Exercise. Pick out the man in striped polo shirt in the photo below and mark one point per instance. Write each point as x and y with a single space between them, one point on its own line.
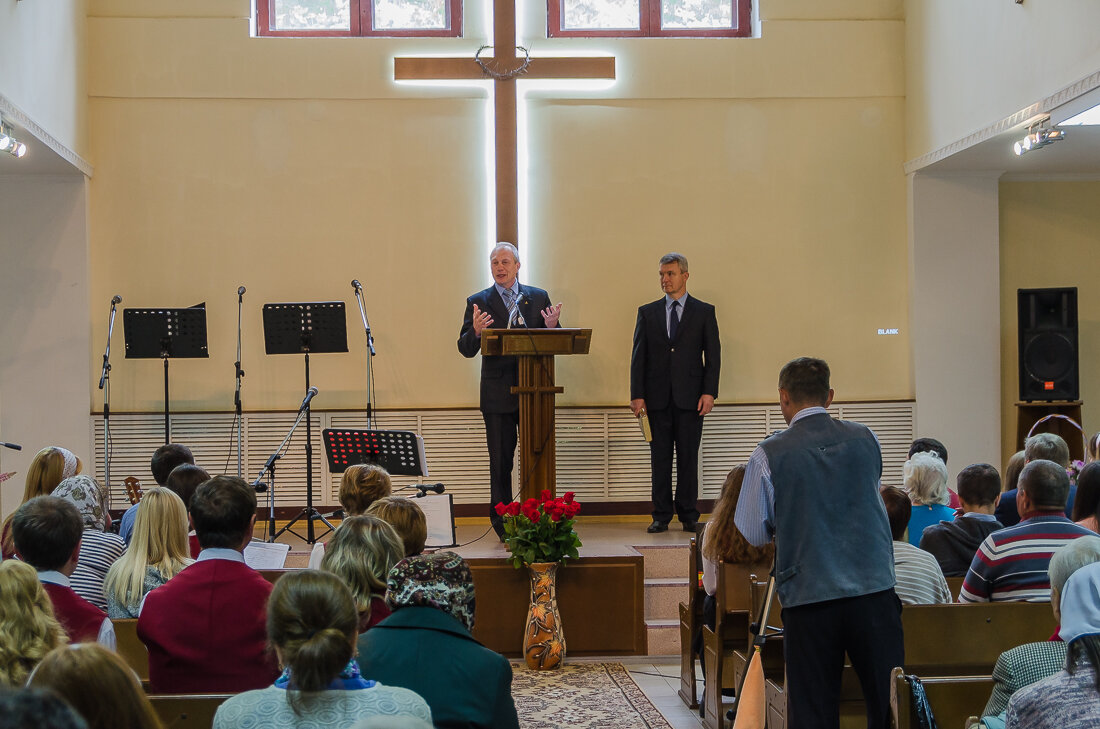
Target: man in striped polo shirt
1012 563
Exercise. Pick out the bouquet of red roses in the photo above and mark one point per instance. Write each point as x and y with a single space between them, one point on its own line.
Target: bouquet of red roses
541 530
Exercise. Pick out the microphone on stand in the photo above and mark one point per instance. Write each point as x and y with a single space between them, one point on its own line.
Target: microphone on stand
116 299
310 394
356 285
13 446
240 291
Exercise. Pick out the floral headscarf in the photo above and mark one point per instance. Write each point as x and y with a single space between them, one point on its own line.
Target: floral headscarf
90 500
441 580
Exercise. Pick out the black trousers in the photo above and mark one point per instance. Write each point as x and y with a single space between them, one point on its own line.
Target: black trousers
501 435
815 640
682 430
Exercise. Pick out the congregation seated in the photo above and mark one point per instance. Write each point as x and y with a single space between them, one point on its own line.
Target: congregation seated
183 480
47 533
925 481
165 458
407 518
361 554
1031 662
1087 503
1070 699
205 627
37 708
954 542
1011 563
361 485
931 445
98 685
158 552
1039 447
426 646
313 625
49 467
99 548
29 628
918 575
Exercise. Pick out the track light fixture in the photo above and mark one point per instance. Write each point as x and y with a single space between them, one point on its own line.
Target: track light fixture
8 142
1039 134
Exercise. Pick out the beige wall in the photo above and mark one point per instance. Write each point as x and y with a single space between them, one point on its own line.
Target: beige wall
970 64
1049 235
292 166
44 387
42 50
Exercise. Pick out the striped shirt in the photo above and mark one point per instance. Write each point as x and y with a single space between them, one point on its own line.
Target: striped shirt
1011 564
98 551
920 581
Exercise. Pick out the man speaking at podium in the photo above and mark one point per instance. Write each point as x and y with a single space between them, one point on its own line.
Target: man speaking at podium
505 304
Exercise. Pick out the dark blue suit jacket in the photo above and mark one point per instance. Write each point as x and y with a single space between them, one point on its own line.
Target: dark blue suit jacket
500 374
1007 513
676 372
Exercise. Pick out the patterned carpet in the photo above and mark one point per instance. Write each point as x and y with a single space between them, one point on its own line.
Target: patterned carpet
582 696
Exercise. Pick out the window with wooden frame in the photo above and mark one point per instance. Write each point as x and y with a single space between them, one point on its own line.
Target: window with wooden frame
336 18
648 18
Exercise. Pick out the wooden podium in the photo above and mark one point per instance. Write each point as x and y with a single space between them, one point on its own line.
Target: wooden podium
535 349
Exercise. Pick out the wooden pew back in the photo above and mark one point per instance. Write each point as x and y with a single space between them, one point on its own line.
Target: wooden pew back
187 711
691 621
131 649
961 640
953 699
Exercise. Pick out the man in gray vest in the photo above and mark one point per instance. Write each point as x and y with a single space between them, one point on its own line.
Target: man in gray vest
814 489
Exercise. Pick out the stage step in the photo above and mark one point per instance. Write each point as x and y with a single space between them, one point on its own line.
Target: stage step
665 560
665 587
663 596
663 637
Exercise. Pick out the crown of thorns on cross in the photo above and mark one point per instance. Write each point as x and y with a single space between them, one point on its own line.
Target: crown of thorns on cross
488 70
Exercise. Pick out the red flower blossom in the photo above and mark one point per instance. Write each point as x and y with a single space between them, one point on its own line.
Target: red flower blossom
569 496
546 495
500 508
513 508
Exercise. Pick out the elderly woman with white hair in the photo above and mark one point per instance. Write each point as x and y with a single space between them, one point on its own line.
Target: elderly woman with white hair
1070 699
925 480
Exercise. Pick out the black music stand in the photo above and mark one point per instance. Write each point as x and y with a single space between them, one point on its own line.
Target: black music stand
165 334
400 452
318 327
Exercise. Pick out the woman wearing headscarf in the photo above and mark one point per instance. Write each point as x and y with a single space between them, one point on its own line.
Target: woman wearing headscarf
1070 699
49 468
99 549
426 646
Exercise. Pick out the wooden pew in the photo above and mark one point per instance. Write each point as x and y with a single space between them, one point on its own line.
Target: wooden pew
691 620
273 576
954 585
738 595
187 711
953 698
132 650
952 648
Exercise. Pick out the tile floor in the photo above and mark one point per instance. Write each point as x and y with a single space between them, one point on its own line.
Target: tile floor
660 680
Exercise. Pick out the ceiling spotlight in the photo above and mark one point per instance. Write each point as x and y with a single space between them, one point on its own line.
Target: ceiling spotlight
8 142
1039 134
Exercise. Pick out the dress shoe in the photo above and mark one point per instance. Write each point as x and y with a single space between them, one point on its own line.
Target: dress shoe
656 527
689 526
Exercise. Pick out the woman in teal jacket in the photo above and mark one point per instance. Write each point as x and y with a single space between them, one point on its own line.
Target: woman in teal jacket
426 646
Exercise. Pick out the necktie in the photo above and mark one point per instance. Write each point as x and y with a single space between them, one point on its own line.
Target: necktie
513 307
674 320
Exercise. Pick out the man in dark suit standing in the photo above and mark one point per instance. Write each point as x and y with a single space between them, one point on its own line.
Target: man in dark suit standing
674 380
505 304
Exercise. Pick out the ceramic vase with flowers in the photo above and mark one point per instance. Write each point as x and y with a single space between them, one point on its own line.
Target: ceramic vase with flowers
540 535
